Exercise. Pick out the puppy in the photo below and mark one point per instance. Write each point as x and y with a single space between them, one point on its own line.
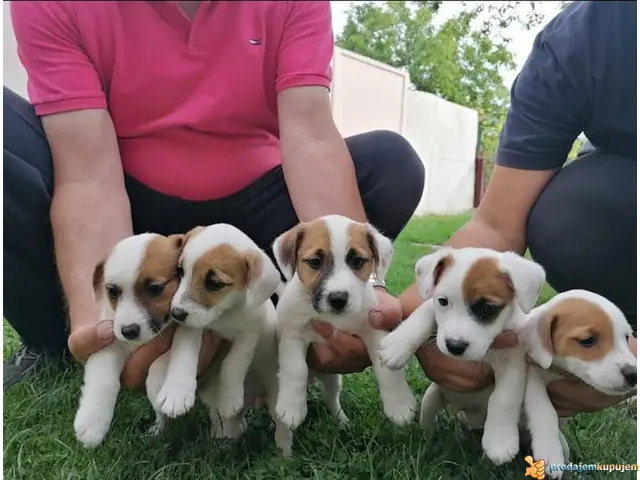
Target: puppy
135 285
586 335
226 284
328 263
471 295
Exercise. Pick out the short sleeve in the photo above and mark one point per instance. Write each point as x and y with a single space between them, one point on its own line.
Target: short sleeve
306 47
60 76
550 97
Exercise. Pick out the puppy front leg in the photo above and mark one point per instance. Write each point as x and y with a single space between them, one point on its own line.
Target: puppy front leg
178 393
500 440
229 394
397 347
397 398
542 421
291 405
99 394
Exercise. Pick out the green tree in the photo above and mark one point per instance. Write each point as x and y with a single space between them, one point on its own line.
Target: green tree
460 60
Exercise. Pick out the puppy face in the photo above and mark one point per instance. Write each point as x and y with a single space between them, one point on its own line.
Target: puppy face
585 334
138 280
333 258
476 291
220 268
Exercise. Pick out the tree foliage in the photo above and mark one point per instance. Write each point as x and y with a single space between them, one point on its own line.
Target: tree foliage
461 59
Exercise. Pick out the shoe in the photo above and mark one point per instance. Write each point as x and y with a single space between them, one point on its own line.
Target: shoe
22 363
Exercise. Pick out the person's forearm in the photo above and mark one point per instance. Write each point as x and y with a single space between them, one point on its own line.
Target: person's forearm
478 233
321 179
87 220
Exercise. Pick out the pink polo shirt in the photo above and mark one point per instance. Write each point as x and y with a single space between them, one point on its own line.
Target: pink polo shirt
193 103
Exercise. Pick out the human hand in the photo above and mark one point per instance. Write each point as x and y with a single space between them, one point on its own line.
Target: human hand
571 396
89 338
346 353
460 375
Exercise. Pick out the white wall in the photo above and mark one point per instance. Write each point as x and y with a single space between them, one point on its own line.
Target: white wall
14 75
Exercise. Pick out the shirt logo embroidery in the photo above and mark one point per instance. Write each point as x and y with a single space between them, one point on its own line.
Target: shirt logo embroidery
255 41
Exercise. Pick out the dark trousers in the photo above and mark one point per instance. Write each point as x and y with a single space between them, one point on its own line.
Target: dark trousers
390 178
582 229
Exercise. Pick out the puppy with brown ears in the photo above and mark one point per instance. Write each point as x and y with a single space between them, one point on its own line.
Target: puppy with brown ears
585 335
226 284
328 263
135 285
471 295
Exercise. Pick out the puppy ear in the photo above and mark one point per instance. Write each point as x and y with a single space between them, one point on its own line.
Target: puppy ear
527 278
263 279
191 233
382 249
430 268
98 281
285 250
535 336
178 241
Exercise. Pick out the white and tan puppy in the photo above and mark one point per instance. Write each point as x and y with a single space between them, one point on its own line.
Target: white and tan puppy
328 263
135 285
226 284
471 295
585 335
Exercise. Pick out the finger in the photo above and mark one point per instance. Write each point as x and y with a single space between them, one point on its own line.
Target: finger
325 329
86 341
506 339
386 316
208 350
136 368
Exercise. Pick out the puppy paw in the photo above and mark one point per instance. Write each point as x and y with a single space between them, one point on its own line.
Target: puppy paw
291 412
91 426
393 353
500 443
229 401
342 418
428 421
234 428
178 398
401 408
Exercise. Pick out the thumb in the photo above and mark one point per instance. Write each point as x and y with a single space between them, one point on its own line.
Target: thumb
87 340
325 329
529 459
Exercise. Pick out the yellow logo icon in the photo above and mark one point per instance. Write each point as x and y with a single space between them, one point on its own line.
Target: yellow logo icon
535 469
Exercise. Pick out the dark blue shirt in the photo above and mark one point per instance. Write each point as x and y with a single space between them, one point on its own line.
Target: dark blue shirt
580 77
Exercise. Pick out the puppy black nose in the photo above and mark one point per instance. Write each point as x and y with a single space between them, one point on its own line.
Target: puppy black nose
630 374
338 300
456 347
179 314
130 332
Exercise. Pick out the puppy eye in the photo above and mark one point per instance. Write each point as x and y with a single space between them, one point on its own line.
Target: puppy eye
314 263
113 291
155 289
212 284
356 263
443 301
179 271
488 310
587 342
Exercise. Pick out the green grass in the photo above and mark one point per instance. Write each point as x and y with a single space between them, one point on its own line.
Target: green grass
39 441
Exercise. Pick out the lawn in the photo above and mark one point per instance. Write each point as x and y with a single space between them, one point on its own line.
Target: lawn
39 442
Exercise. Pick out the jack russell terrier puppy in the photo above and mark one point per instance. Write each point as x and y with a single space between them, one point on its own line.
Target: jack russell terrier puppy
226 284
585 335
328 263
135 285
471 295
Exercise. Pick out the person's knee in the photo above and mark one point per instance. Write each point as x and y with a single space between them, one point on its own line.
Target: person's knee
582 228
395 160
